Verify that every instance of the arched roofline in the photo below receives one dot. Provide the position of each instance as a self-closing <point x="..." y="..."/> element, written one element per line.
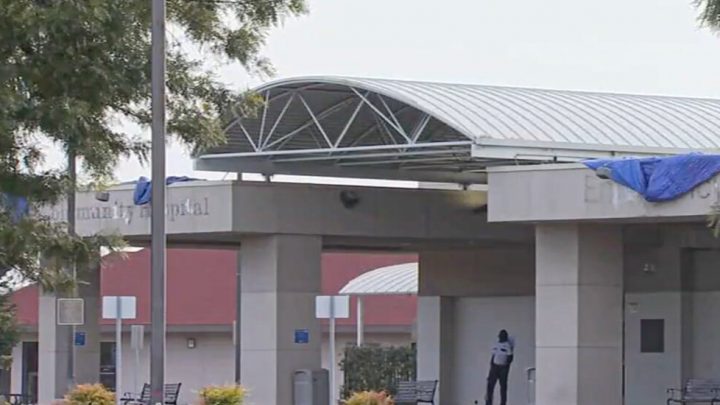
<point x="373" y="128"/>
<point x="358" y="84"/>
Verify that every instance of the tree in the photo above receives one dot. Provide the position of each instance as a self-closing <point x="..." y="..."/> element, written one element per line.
<point x="710" y="17"/>
<point x="709" y="13"/>
<point x="70" y="70"/>
<point x="8" y="329"/>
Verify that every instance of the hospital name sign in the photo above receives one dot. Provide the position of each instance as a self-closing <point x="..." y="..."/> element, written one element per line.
<point x="127" y="212"/>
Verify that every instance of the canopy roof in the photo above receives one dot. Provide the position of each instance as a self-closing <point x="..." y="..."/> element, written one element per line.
<point x="431" y="131"/>
<point x="399" y="279"/>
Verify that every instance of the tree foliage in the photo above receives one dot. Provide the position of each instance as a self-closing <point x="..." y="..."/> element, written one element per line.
<point x="709" y="13"/>
<point x="72" y="71"/>
<point x="8" y="329"/>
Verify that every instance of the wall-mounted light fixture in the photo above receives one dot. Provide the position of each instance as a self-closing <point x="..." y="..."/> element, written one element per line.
<point x="349" y="199"/>
<point x="191" y="344"/>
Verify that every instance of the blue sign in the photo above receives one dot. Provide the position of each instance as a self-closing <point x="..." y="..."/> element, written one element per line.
<point x="79" y="339"/>
<point x="302" y="336"/>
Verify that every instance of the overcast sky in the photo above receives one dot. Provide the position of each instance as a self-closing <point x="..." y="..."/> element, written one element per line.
<point x="630" y="46"/>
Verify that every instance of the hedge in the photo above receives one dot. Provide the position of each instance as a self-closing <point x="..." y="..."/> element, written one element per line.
<point x="377" y="368"/>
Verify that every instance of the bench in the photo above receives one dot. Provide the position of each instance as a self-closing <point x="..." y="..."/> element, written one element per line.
<point x="416" y="392"/>
<point x="696" y="391"/>
<point x="170" y="395"/>
<point x="15" y="399"/>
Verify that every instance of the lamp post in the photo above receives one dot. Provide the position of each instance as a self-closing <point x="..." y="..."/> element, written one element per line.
<point x="72" y="177"/>
<point x="158" y="238"/>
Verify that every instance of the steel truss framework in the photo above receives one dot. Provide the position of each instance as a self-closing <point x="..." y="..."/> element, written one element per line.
<point x="360" y="128"/>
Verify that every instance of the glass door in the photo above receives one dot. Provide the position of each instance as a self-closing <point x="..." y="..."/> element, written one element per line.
<point x="107" y="365"/>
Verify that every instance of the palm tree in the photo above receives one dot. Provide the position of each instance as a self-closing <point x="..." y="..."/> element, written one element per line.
<point x="709" y="13"/>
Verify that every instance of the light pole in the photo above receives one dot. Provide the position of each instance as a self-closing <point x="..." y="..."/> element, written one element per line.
<point x="72" y="176"/>
<point x="158" y="239"/>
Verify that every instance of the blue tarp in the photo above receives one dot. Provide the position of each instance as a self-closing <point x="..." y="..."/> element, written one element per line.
<point x="664" y="178"/>
<point x="17" y="207"/>
<point x="143" y="188"/>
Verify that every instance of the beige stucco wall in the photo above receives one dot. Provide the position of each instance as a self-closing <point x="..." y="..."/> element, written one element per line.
<point x="574" y="192"/>
<point x="478" y="320"/>
<point x="488" y="289"/>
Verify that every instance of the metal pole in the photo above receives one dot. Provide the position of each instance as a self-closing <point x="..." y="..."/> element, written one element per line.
<point x="360" y="326"/>
<point x="158" y="239"/>
<point x="331" y="355"/>
<point x="238" y="319"/>
<point x="118" y="350"/>
<point x="137" y="367"/>
<point x="72" y="176"/>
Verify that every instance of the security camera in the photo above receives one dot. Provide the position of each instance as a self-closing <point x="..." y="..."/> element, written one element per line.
<point x="604" y="173"/>
<point x="349" y="199"/>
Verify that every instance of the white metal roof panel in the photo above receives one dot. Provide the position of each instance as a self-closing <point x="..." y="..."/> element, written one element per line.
<point x="400" y="279"/>
<point x="378" y="128"/>
<point x="532" y="115"/>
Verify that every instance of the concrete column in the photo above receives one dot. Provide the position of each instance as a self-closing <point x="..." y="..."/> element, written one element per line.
<point x="579" y="315"/>
<point x="436" y="343"/>
<point x="87" y="357"/>
<point x="16" y="369"/>
<point x="280" y="280"/>
<point x="53" y="351"/>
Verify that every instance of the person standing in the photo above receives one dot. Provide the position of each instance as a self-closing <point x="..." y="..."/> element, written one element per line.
<point x="502" y="358"/>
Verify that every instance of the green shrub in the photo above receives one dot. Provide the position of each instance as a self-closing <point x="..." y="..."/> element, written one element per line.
<point x="89" y="394"/>
<point x="222" y="395"/>
<point x="370" y="398"/>
<point x="376" y="368"/>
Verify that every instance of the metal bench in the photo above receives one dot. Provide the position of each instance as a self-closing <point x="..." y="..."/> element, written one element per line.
<point x="170" y="395"/>
<point x="416" y="392"/>
<point x="696" y="391"/>
<point x="15" y="399"/>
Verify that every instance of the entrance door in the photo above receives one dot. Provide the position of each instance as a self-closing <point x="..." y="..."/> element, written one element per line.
<point x="107" y="365"/>
<point x="30" y="370"/>
<point x="652" y="347"/>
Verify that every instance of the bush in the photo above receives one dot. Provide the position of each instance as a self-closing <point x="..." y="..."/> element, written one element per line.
<point x="222" y="395"/>
<point x="88" y="394"/>
<point x="376" y="368"/>
<point x="370" y="398"/>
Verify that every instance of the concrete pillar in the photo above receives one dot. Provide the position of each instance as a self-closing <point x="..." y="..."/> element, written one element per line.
<point x="16" y="369"/>
<point x="53" y="351"/>
<point x="436" y="343"/>
<point x="579" y="314"/>
<point x="55" y="342"/>
<point x="87" y="357"/>
<point x="280" y="280"/>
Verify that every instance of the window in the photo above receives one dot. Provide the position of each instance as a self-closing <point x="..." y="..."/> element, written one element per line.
<point x="652" y="335"/>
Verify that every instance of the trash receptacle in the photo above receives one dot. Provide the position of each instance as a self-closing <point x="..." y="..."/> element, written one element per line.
<point x="530" y="374"/>
<point x="311" y="387"/>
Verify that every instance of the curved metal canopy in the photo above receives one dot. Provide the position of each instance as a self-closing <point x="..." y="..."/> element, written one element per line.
<point x="399" y="279"/>
<point x="450" y="132"/>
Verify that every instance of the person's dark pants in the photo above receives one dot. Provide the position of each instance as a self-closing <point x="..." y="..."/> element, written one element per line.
<point x="497" y="373"/>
